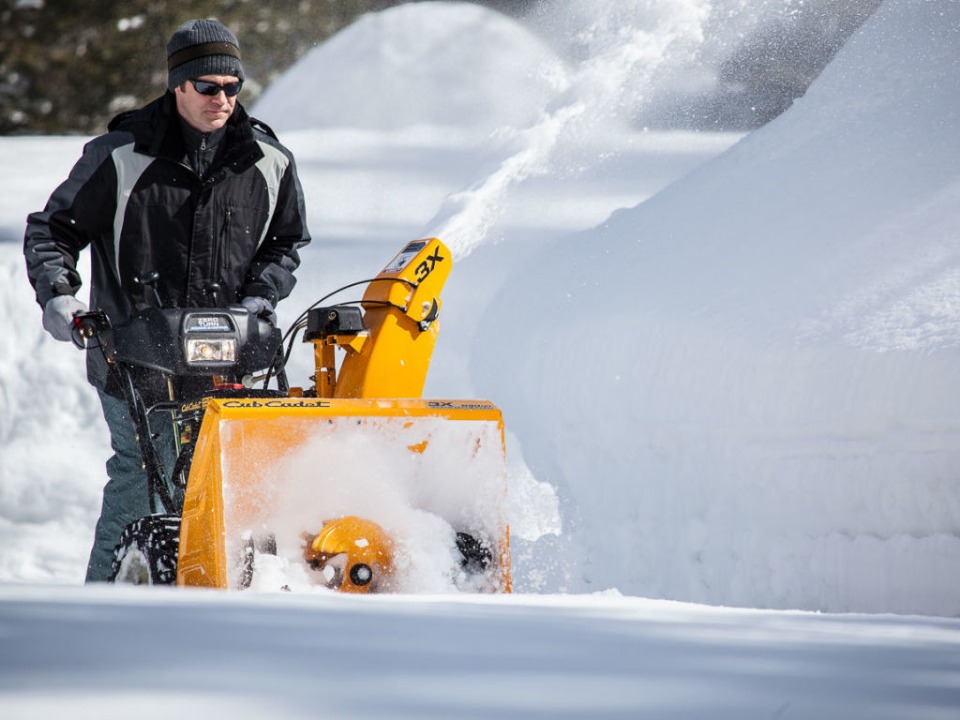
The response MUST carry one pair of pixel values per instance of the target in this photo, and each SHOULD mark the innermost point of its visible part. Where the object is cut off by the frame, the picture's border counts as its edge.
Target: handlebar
(182, 341)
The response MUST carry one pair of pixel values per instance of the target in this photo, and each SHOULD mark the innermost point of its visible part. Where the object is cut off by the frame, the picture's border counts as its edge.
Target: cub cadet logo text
(276, 403)
(426, 267)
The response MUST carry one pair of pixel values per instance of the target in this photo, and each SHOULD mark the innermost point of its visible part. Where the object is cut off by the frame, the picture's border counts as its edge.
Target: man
(188, 187)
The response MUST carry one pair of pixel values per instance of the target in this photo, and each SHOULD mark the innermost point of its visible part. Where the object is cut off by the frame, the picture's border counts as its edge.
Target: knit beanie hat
(202, 47)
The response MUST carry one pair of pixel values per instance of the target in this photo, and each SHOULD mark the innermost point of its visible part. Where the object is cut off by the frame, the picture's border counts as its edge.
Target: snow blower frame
(261, 472)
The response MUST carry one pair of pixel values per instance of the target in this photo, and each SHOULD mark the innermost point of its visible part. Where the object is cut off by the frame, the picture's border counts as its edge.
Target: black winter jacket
(140, 207)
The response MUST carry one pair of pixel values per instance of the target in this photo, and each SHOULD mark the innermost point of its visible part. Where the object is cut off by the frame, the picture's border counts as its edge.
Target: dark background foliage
(70, 65)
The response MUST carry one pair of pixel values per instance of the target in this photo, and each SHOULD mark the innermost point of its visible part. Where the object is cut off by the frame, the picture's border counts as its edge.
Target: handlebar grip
(89, 325)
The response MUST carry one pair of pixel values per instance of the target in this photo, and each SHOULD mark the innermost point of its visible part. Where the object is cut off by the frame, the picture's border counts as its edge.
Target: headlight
(208, 350)
(210, 338)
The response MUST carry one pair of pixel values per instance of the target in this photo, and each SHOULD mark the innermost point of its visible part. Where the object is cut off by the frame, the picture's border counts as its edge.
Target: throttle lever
(150, 280)
(89, 325)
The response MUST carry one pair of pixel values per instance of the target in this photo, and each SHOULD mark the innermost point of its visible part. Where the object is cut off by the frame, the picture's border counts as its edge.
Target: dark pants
(125, 496)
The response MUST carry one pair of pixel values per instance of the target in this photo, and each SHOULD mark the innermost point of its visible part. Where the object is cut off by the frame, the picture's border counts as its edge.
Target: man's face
(206, 113)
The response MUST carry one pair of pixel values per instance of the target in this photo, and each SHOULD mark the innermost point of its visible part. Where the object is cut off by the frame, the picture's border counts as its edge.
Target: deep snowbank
(450, 64)
(746, 388)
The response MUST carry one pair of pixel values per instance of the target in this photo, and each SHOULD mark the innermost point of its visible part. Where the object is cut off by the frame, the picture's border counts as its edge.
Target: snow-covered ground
(728, 367)
(115, 653)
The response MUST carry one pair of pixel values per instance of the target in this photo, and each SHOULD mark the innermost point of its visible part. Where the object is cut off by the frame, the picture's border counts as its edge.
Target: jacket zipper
(225, 244)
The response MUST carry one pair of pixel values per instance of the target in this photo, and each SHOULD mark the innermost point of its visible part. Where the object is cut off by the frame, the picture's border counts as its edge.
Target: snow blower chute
(356, 483)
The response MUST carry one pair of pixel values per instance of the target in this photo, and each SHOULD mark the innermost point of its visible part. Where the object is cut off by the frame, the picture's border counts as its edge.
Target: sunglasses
(210, 89)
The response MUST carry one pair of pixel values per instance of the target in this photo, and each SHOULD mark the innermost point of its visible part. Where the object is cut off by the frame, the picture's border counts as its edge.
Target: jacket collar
(156, 131)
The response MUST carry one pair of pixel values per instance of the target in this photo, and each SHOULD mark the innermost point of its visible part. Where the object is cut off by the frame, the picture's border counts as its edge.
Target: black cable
(160, 500)
(303, 315)
(159, 495)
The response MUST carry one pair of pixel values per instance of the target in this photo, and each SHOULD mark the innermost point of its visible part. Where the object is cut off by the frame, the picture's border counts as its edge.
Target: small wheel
(147, 551)
(475, 556)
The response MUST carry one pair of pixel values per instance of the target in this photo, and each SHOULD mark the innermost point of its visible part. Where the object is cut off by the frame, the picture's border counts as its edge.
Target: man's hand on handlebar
(88, 325)
(261, 307)
(58, 316)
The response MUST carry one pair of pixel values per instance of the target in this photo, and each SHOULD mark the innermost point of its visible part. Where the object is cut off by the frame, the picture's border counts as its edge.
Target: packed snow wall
(746, 388)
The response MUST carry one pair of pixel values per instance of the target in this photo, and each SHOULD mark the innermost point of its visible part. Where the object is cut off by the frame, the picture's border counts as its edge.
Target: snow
(448, 656)
(774, 349)
(728, 368)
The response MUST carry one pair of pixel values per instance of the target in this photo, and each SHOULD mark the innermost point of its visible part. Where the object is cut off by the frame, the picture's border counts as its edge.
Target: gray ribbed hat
(202, 47)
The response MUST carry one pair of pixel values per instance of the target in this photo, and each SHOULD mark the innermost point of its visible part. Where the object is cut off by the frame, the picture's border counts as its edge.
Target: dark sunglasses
(210, 89)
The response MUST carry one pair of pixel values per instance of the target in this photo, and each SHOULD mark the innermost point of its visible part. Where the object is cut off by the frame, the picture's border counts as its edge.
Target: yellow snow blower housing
(359, 463)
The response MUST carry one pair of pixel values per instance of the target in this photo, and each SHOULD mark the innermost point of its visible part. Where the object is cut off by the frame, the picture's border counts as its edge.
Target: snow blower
(349, 483)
